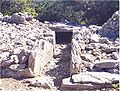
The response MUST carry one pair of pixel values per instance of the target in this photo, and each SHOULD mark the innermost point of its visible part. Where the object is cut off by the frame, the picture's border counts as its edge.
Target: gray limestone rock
(107, 64)
(18, 18)
(111, 27)
(95, 77)
(108, 49)
(6, 18)
(89, 81)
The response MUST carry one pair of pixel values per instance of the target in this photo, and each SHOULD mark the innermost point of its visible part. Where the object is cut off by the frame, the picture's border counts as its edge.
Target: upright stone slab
(75, 58)
(42, 54)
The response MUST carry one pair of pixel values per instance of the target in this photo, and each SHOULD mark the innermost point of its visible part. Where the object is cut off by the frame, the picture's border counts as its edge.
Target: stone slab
(89, 81)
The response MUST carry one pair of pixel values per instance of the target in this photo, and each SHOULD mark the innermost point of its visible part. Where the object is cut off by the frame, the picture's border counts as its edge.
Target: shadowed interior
(63, 37)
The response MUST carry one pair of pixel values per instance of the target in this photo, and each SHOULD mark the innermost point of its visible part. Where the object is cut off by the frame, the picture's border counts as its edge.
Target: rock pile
(24, 47)
(94, 55)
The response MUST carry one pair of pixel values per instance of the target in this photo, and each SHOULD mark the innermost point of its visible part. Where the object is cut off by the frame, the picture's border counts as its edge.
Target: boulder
(18, 18)
(1, 15)
(16, 71)
(110, 29)
(34, 63)
(76, 60)
(94, 28)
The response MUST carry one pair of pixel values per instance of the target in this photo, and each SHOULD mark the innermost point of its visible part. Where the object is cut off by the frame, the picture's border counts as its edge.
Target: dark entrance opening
(63, 37)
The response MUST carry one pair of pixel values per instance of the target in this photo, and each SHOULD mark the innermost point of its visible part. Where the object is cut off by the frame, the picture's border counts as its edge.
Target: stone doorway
(63, 37)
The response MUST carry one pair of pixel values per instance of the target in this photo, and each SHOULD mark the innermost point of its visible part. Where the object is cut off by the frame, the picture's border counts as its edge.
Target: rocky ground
(53, 73)
(92, 54)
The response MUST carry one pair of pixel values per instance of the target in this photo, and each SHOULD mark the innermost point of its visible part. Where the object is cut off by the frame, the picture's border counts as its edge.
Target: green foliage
(27, 7)
(78, 11)
(87, 11)
(42, 5)
(8, 7)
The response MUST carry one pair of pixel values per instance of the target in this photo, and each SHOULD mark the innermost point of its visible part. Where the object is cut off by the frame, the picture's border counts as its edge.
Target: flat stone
(89, 81)
(95, 77)
(107, 49)
(107, 64)
(88, 57)
(68, 86)
(40, 84)
(114, 71)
